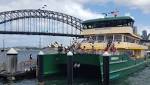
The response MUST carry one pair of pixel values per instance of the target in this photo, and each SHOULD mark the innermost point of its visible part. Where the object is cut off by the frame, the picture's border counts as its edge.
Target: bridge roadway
(41, 33)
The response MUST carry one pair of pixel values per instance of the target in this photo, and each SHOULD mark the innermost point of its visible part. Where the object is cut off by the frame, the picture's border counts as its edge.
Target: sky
(83, 9)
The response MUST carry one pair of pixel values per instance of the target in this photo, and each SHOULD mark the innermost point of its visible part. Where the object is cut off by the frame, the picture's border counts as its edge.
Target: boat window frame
(131, 39)
(117, 40)
(102, 40)
(106, 39)
(111, 23)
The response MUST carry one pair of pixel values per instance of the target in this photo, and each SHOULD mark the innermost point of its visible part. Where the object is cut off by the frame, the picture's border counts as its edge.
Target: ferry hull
(90, 65)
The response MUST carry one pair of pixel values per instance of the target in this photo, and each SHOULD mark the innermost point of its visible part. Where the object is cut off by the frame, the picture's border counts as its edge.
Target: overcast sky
(83, 9)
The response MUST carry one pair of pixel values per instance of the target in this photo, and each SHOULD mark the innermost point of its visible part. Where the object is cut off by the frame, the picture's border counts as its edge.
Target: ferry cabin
(120, 30)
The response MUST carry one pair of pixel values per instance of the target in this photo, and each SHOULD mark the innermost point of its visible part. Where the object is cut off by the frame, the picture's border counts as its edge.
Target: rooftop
(109, 19)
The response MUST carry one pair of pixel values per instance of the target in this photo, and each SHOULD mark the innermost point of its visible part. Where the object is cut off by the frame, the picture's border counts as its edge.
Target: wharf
(25, 70)
(18, 75)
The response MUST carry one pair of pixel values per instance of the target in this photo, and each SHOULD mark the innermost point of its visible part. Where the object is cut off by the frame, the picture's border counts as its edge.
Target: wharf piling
(40, 68)
(70, 68)
(12, 61)
(11, 72)
(106, 56)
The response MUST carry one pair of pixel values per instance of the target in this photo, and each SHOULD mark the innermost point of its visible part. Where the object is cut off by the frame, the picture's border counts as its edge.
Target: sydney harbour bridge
(39, 22)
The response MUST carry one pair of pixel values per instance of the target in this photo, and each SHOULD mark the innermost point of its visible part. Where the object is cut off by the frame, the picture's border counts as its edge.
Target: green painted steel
(120, 65)
(91, 59)
(49, 64)
(107, 19)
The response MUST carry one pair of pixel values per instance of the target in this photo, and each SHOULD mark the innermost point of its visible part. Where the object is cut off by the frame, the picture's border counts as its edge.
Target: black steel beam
(40, 33)
(30, 13)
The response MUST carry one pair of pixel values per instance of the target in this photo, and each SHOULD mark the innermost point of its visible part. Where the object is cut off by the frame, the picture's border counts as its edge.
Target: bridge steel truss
(9, 16)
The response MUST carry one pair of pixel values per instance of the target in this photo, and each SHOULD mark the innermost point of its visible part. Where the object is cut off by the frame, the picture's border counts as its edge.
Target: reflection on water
(77, 81)
(139, 78)
(23, 82)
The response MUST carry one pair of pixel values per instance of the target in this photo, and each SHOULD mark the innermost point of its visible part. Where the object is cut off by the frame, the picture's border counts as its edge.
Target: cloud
(72, 7)
(143, 5)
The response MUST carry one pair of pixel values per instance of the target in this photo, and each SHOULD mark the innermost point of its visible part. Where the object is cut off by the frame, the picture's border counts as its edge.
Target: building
(146, 41)
(144, 34)
(148, 38)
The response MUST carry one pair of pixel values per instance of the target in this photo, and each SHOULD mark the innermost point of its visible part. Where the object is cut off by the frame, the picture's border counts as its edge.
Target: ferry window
(125, 38)
(85, 26)
(84, 40)
(100, 38)
(91, 39)
(132, 40)
(137, 41)
(94, 38)
(90, 26)
(118, 38)
(129, 39)
(109, 38)
(109, 23)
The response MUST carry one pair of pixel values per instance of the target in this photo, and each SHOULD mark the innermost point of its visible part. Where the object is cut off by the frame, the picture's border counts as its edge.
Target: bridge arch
(52, 17)
(8, 16)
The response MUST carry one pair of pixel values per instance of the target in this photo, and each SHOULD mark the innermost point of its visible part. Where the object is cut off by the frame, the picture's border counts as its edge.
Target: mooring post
(106, 56)
(40, 68)
(100, 82)
(70, 68)
(12, 62)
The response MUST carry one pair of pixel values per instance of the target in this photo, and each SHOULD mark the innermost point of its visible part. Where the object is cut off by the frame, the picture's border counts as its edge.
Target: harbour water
(139, 78)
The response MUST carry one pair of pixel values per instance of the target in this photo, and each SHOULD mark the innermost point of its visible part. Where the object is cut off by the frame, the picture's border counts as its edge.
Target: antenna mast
(115, 13)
